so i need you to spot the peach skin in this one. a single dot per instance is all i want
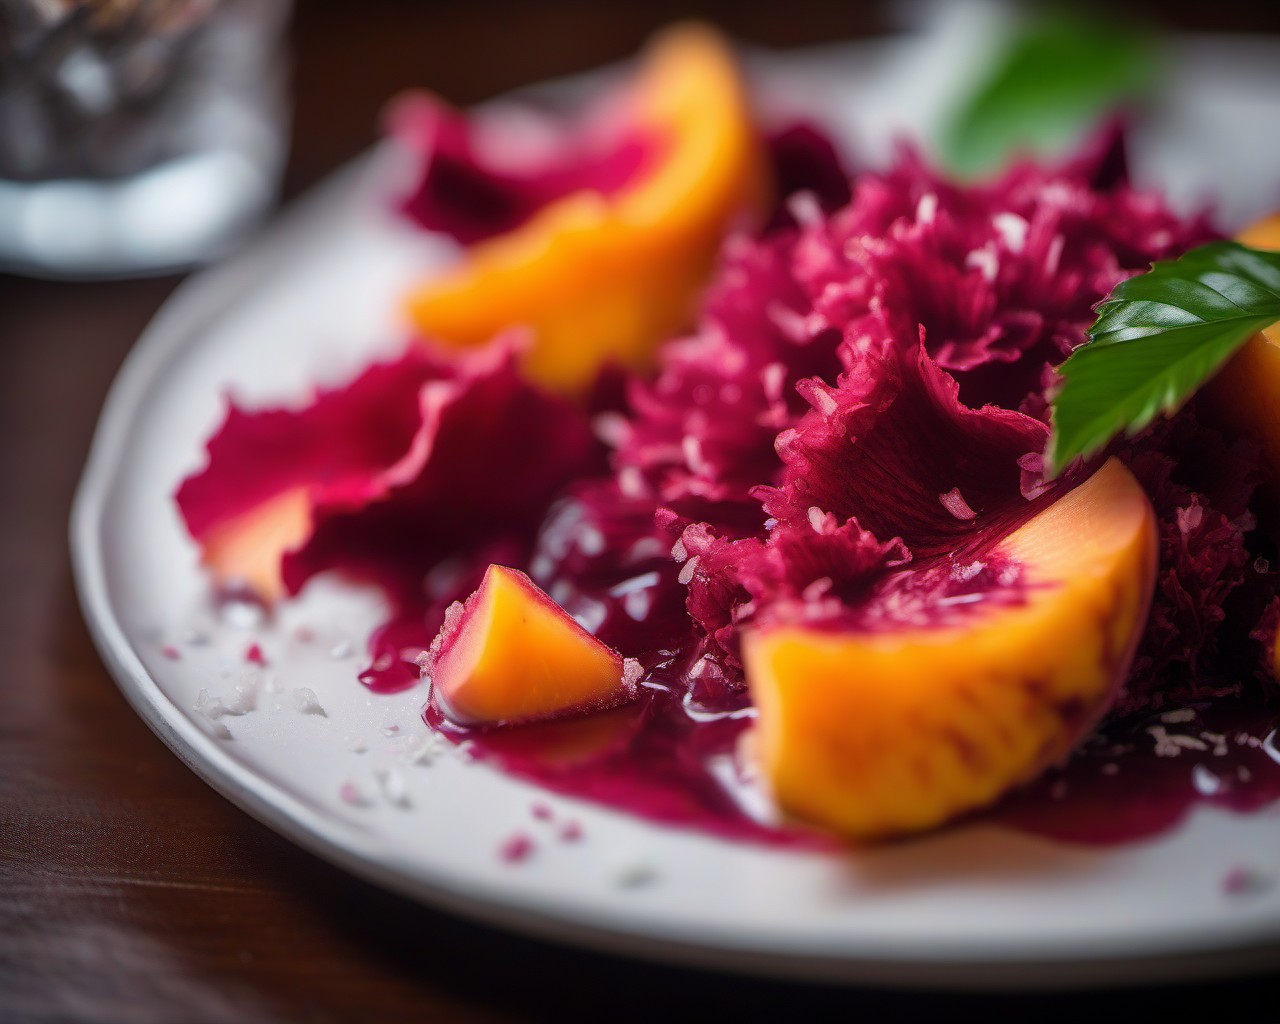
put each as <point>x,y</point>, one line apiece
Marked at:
<point>511,654</point>
<point>881,734</point>
<point>603,279</point>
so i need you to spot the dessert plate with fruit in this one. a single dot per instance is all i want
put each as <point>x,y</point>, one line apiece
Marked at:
<point>686,524</point>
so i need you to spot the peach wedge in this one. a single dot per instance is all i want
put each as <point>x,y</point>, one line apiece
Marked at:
<point>880,734</point>
<point>603,279</point>
<point>1245,396</point>
<point>511,654</point>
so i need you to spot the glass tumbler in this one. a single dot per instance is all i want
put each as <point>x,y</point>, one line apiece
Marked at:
<point>136,136</point>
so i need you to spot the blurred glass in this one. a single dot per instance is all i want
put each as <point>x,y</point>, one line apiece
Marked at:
<point>136,136</point>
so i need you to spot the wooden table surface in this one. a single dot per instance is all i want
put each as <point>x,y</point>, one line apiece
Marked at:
<point>129,890</point>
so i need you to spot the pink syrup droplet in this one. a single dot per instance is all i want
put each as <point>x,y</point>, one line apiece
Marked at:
<point>516,849</point>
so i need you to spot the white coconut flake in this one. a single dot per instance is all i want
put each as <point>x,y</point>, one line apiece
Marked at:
<point>1217,741</point>
<point>816,590</point>
<point>691,449</point>
<point>1012,230</point>
<point>953,501</point>
<point>646,548</point>
<point>1206,783</point>
<point>611,428</point>
<point>561,592</point>
<point>393,787</point>
<point>246,697</point>
<point>793,325</point>
<point>1179,716</point>
<point>687,570</point>
<point>927,208</point>
<point>638,604</point>
<point>956,599</point>
<point>631,482</point>
<point>209,706</point>
<point>590,615</point>
<point>804,207</point>
<point>1169,744</point>
<point>427,750</point>
<point>822,522</point>
<point>1269,747</point>
<point>985,261</point>
<point>1054,254</point>
<point>242,613</point>
<point>306,701</point>
<point>632,670</point>
<point>636,583</point>
<point>590,540</point>
<point>822,400</point>
<point>773,377</point>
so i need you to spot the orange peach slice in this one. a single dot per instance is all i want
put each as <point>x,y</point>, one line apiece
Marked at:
<point>880,734</point>
<point>1245,396</point>
<point>246,550</point>
<point>511,654</point>
<point>600,279</point>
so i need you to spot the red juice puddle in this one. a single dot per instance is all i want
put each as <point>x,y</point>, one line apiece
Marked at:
<point>651,759</point>
<point>648,758</point>
<point>673,760</point>
<point>395,645</point>
<point>393,648</point>
<point>1136,780</point>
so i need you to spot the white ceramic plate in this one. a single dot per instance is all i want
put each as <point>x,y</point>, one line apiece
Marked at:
<point>362,783</point>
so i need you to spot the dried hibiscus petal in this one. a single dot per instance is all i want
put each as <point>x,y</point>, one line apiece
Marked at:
<point>487,175</point>
<point>408,476</point>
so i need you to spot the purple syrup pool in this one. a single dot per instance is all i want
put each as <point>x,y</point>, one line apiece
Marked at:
<point>662,760</point>
<point>677,760</point>
<point>1137,779</point>
<point>674,754</point>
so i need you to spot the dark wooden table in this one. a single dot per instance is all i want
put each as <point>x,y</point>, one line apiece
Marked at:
<point>129,891</point>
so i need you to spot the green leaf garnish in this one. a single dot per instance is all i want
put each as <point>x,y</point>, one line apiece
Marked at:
<point>1158,338</point>
<point>1056,77</point>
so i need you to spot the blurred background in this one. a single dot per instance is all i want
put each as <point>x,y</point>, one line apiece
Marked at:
<point>346,65</point>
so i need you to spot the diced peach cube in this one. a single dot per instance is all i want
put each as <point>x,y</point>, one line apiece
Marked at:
<point>511,654</point>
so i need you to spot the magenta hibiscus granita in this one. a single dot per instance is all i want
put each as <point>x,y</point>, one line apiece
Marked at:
<point>841,463</point>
